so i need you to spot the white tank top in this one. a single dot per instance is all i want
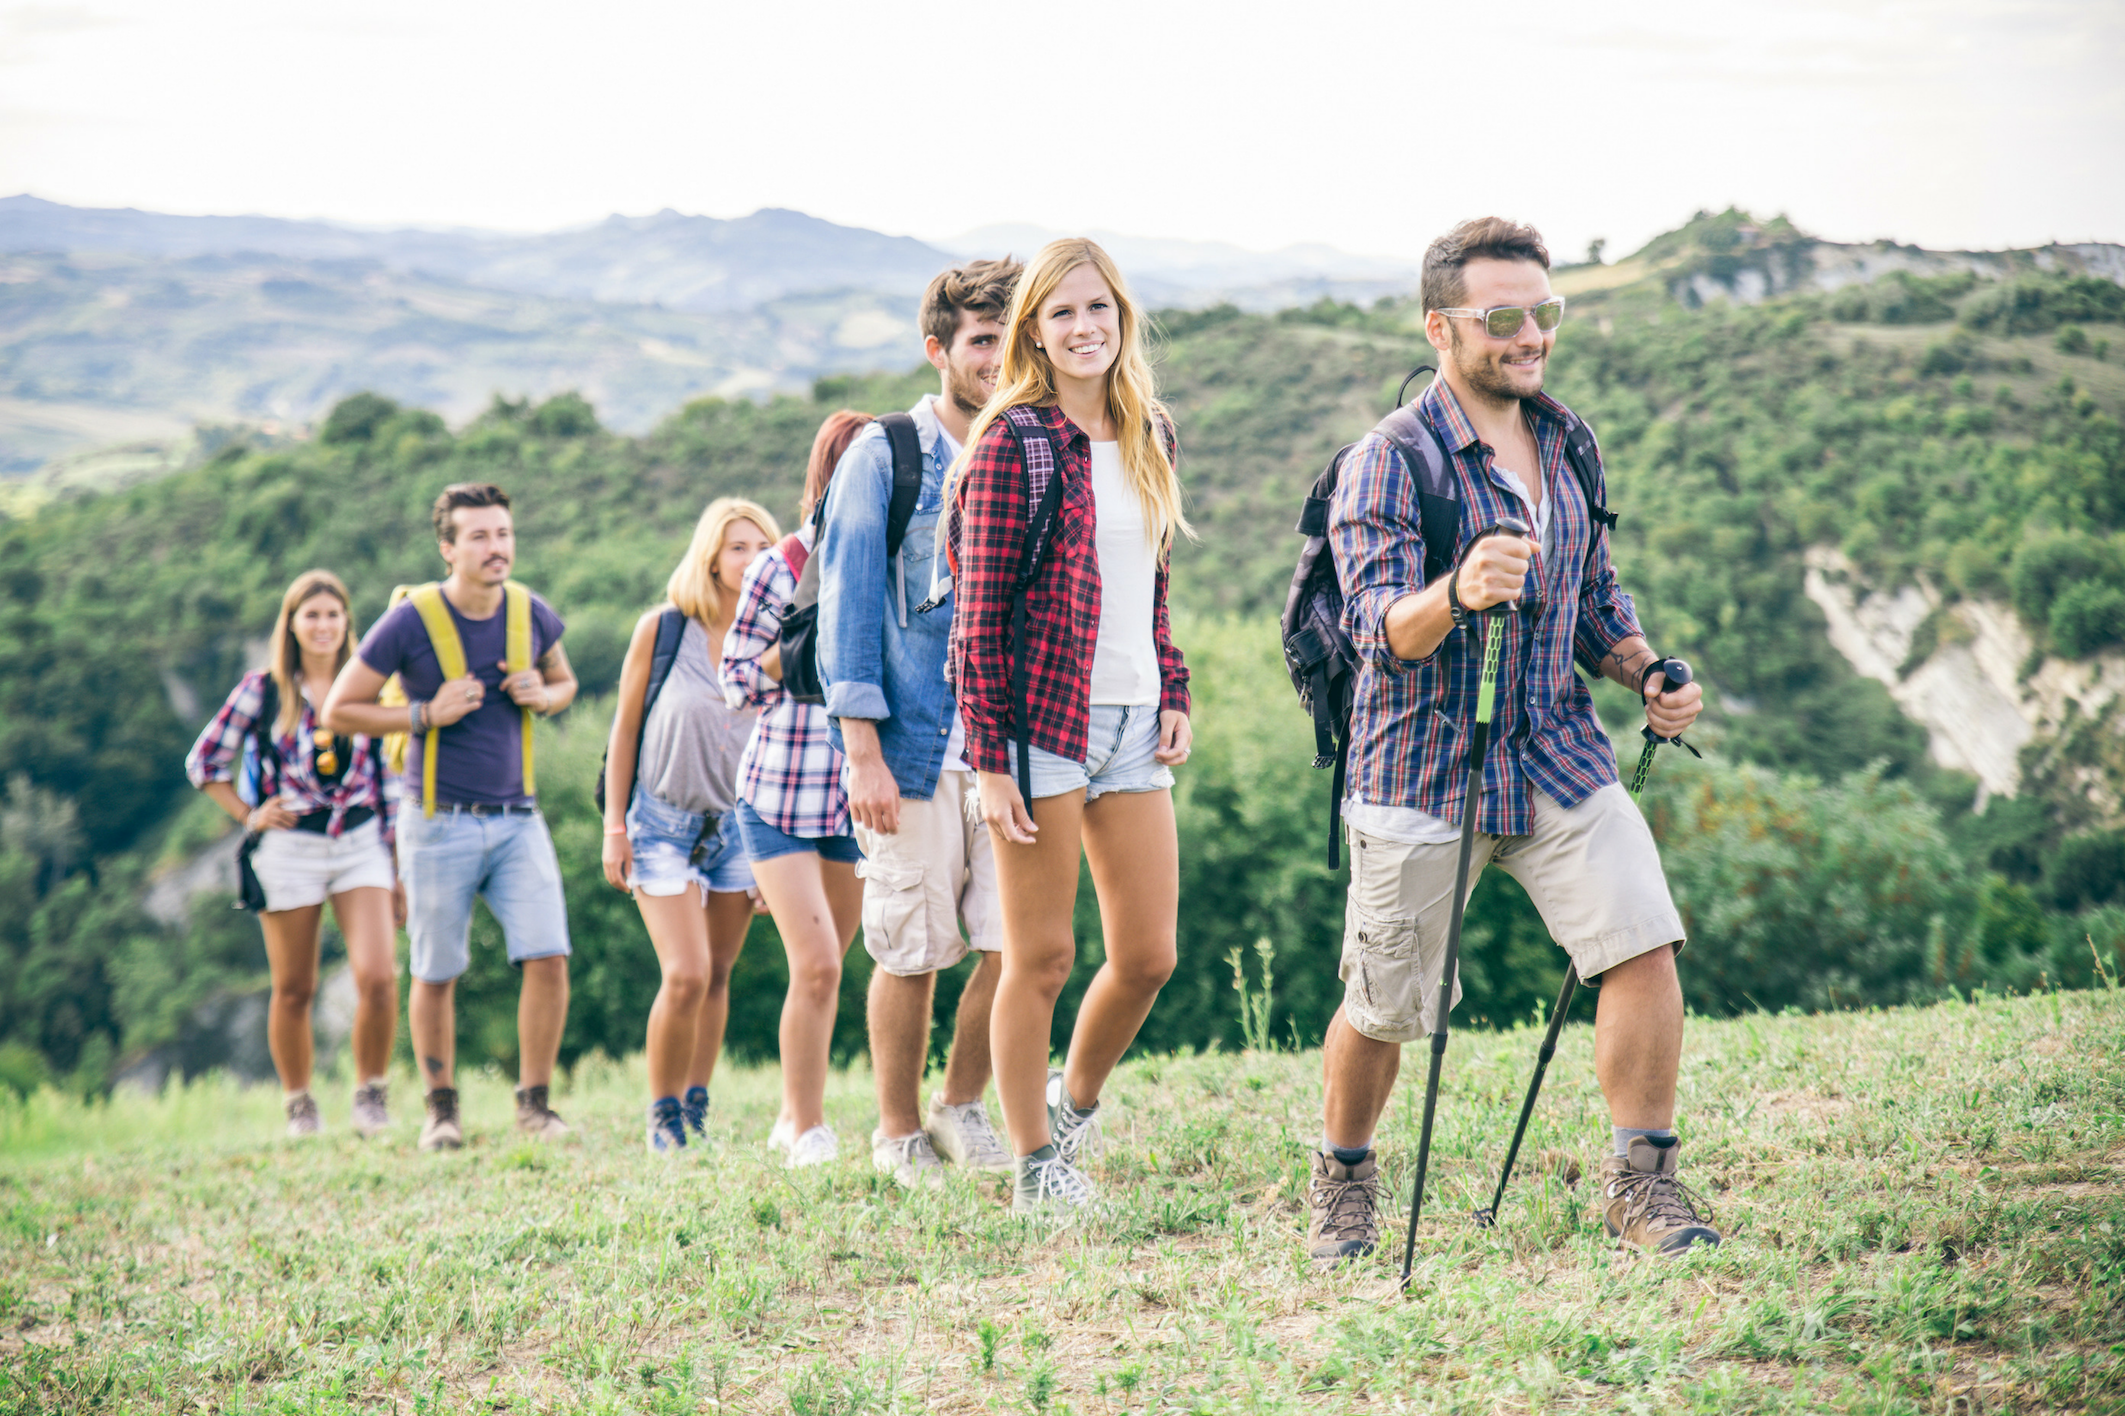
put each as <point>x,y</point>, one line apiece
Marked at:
<point>1125,660</point>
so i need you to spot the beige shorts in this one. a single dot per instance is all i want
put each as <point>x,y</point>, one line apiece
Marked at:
<point>921,881</point>
<point>1592,870</point>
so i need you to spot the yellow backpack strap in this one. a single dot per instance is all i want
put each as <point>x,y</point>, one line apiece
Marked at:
<point>516,657</point>
<point>393,695</point>
<point>450,659</point>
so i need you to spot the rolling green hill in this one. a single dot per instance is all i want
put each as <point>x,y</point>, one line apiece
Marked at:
<point>1952,435</point>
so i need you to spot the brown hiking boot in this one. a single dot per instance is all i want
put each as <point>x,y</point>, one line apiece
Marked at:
<point>372,1109</point>
<point>441,1130</point>
<point>1645,1207</point>
<point>303,1119</point>
<point>535,1118</point>
<point>1344,1200</point>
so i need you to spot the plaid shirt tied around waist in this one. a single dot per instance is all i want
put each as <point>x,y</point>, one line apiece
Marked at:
<point>1409,733</point>
<point>992,508</point>
<point>790,772</point>
<point>290,769</point>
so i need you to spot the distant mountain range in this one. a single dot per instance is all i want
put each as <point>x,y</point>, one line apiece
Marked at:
<point>122,331</point>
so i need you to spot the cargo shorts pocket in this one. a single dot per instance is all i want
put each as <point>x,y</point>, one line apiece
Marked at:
<point>893,900</point>
<point>1383,977</point>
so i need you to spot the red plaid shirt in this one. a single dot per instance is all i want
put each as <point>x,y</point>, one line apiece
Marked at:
<point>991,513</point>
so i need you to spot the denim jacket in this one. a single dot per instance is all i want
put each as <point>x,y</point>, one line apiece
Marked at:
<point>879,658</point>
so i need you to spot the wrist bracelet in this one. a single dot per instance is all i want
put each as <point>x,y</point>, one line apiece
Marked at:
<point>413,719</point>
<point>1454,607</point>
<point>615,830</point>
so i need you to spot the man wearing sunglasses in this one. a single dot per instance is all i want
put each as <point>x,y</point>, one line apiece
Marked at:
<point>1552,812</point>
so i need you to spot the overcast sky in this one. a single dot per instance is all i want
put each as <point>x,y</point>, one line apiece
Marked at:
<point>1366,125</point>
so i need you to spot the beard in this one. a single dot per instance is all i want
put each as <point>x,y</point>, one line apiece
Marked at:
<point>1481,373</point>
<point>968,393</point>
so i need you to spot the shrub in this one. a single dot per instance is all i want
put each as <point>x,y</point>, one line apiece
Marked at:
<point>356,418</point>
<point>2088,617</point>
<point>2072,339</point>
<point>2088,869</point>
<point>2046,566</point>
<point>2033,303</point>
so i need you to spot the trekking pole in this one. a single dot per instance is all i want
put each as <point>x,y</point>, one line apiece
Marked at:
<point>1675,673</point>
<point>1492,623</point>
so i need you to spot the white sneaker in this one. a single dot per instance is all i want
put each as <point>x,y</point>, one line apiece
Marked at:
<point>911,1160</point>
<point>1077,1134</point>
<point>1053,1190</point>
<point>779,1137</point>
<point>963,1135</point>
<point>817,1146</point>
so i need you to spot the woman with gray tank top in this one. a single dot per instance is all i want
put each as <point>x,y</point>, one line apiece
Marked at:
<point>671,838</point>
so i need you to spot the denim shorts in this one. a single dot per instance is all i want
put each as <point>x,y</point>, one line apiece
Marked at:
<point>450,859</point>
<point>671,853</point>
<point>1118,756</point>
<point>765,842</point>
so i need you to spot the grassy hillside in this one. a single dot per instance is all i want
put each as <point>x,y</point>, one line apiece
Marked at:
<point>1925,1211</point>
<point>1932,424</point>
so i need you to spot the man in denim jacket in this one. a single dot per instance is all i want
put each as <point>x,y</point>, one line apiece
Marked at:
<point>927,867</point>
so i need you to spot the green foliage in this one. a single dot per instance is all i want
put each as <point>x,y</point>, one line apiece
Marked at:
<point>2088,869</point>
<point>2042,300</point>
<point>1900,298</point>
<point>2088,618</point>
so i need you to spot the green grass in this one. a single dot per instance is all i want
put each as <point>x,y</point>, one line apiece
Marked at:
<point>1925,1211</point>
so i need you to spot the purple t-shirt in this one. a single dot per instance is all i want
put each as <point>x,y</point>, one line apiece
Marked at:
<point>483,752</point>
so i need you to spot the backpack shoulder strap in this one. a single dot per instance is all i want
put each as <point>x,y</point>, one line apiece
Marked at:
<point>671,628</point>
<point>1042,460</point>
<point>442,629</point>
<point>1584,454</point>
<point>268,713</point>
<point>516,657</point>
<point>1438,489</point>
<point>907,477</point>
<point>794,553</point>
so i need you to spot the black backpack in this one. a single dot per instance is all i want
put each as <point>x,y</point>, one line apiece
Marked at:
<point>671,628</point>
<point>800,622</point>
<point>1319,656</point>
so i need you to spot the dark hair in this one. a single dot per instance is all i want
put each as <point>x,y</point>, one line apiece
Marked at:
<point>1487,238</point>
<point>981,286</point>
<point>459,494</point>
<point>835,435</point>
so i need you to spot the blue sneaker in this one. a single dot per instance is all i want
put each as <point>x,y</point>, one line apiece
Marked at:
<point>667,1127</point>
<point>695,1108</point>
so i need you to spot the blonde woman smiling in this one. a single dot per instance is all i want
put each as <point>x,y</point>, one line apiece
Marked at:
<point>1075,700</point>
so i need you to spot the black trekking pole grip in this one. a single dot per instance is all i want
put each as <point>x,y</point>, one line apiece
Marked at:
<point>1674,674</point>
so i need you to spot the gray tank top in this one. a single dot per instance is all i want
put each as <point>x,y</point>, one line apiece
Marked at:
<point>692,741</point>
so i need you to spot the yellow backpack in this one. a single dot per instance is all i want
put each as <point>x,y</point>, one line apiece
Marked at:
<point>450,658</point>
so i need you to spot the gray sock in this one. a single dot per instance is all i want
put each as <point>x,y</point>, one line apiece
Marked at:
<point>1661,1136</point>
<point>1347,1155</point>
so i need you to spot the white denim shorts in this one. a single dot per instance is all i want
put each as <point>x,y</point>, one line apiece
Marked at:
<point>1118,756</point>
<point>301,868</point>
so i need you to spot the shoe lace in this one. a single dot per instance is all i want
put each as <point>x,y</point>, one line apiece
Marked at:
<point>1661,1200</point>
<point>444,1103</point>
<point>1059,1180</point>
<point>1349,1205</point>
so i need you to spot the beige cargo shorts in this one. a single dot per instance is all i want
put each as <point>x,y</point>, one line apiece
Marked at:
<point>921,881</point>
<point>1592,871</point>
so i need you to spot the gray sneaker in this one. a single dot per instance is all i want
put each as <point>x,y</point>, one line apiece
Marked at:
<point>1345,1200</point>
<point>441,1131</point>
<point>303,1119</point>
<point>1077,1133</point>
<point>1052,1189</point>
<point>535,1118</point>
<point>372,1109</point>
<point>1643,1205</point>
<point>911,1160</point>
<point>963,1135</point>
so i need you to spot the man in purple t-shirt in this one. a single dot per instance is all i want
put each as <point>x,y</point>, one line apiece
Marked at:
<point>484,837</point>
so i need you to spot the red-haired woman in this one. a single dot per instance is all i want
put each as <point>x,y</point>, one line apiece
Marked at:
<point>795,816</point>
<point>320,830</point>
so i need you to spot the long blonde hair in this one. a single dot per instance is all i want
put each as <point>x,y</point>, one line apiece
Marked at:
<point>692,589</point>
<point>286,665</point>
<point>1027,377</point>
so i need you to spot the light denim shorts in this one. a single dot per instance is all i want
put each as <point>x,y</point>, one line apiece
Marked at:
<point>298,868</point>
<point>671,852</point>
<point>1118,756</point>
<point>454,857</point>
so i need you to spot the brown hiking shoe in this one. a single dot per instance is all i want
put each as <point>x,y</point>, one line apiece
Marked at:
<point>535,1118</point>
<point>372,1109</point>
<point>303,1119</point>
<point>441,1130</point>
<point>1644,1206</point>
<point>1344,1200</point>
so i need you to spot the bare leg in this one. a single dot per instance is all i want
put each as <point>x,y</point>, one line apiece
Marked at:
<point>678,928</point>
<point>431,1016</point>
<point>541,1013</point>
<point>1136,869</point>
<point>966,1066</point>
<point>1357,1081</point>
<point>817,905</point>
<point>365,921</point>
<point>291,955</point>
<point>729,915</point>
<point>1038,885</point>
<point>1638,1039</point>
<point>899,1016</point>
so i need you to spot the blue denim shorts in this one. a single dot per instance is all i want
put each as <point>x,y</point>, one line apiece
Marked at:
<point>764,842</point>
<point>450,859</point>
<point>671,853</point>
<point>1118,756</point>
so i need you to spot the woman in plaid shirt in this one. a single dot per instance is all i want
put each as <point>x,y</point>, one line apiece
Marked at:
<point>794,816</point>
<point>321,830</point>
<point>1080,758</point>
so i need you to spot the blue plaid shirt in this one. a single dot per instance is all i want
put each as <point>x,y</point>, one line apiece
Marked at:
<point>1409,734</point>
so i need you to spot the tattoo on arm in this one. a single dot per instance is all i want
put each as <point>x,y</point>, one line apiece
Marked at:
<point>434,1065</point>
<point>1634,670</point>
